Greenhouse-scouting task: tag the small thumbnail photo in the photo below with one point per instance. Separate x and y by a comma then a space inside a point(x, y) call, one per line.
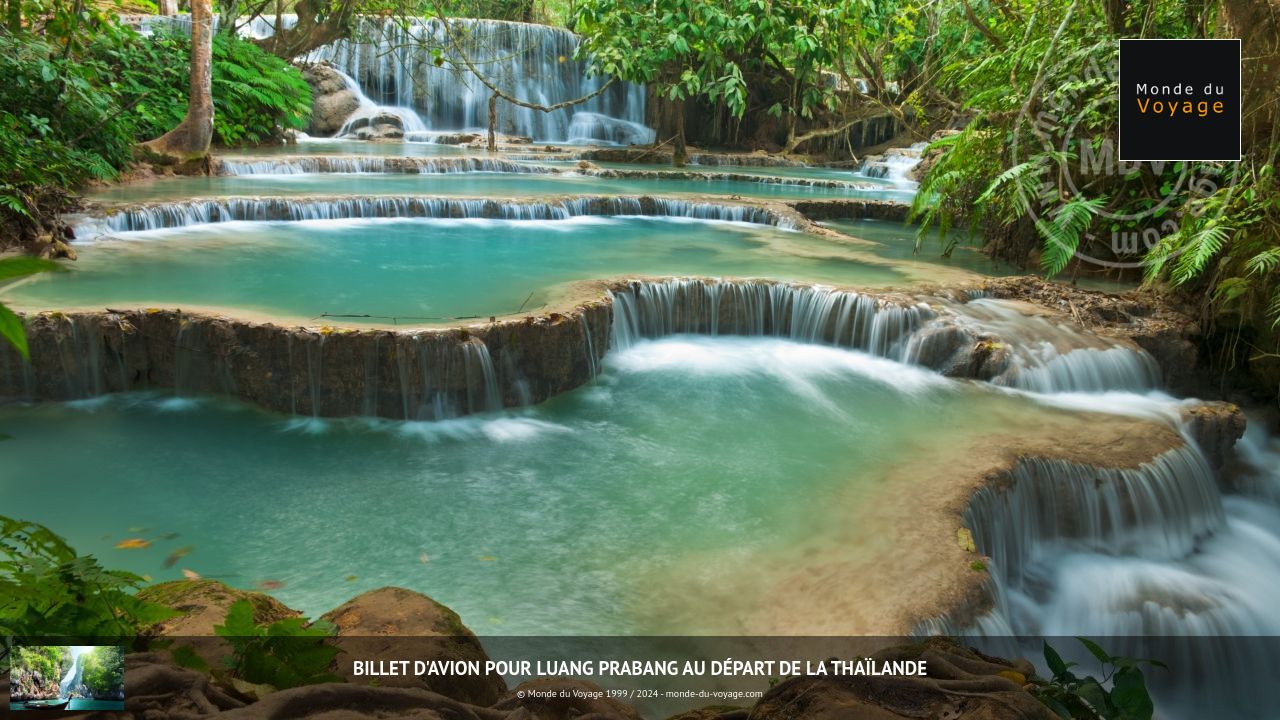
point(66, 677)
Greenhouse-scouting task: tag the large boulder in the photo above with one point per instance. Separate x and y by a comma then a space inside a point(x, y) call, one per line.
point(961, 685)
point(332, 99)
point(201, 605)
point(392, 623)
point(379, 126)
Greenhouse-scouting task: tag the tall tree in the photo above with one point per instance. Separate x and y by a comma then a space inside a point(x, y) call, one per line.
point(190, 139)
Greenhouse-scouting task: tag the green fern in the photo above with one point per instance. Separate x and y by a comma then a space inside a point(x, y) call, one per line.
point(1062, 232)
point(1203, 244)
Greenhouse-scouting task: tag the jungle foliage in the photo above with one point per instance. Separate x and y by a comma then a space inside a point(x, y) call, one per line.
point(1035, 167)
point(102, 670)
point(820, 66)
point(47, 589)
point(79, 91)
point(49, 661)
point(1119, 694)
point(286, 653)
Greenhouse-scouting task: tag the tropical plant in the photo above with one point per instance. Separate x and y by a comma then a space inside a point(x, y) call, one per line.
point(48, 590)
point(81, 92)
point(11, 328)
point(287, 653)
point(1120, 694)
point(1035, 170)
point(255, 94)
point(102, 670)
point(58, 130)
point(49, 661)
point(816, 65)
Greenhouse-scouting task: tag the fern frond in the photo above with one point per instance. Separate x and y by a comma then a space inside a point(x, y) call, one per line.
point(1200, 249)
point(1062, 232)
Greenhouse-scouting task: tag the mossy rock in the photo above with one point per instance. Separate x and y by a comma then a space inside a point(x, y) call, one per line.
point(393, 623)
point(202, 604)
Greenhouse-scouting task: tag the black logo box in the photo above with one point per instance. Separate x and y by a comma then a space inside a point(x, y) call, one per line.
point(1194, 65)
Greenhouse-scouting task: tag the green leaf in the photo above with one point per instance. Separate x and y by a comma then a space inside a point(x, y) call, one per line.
point(1054, 660)
point(239, 622)
point(22, 266)
point(13, 330)
point(1130, 697)
point(185, 656)
point(1096, 650)
point(1092, 692)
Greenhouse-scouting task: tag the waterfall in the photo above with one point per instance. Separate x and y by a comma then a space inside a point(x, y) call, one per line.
point(588, 127)
point(593, 365)
point(395, 64)
point(372, 164)
point(476, 354)
point(1047, 356)
point(155, 216)
point(804, 313)
point(1085, 370)
point(391, 63)
point(1152, 561)
point(368, 112)
point(1160, 510)
point(894, 165)
point(72, 679)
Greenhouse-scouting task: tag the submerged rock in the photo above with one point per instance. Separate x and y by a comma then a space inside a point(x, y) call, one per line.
point(381, 126)
point(391, 623)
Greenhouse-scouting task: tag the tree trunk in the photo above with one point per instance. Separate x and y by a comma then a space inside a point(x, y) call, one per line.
point(680, 155)
point(190, 140)
point(1257, 24)
point(493, 122)
point(168, 7)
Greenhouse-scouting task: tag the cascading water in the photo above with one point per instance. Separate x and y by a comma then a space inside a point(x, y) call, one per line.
point(804, 313)
point(392, 66)
point(1046, 356)
point(1152, 562)
point(396, 64)
point(71, 680)
point(894, 165)
point(373, 165)
point(199, 212)
point(369, 112)
point(1155, 561)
